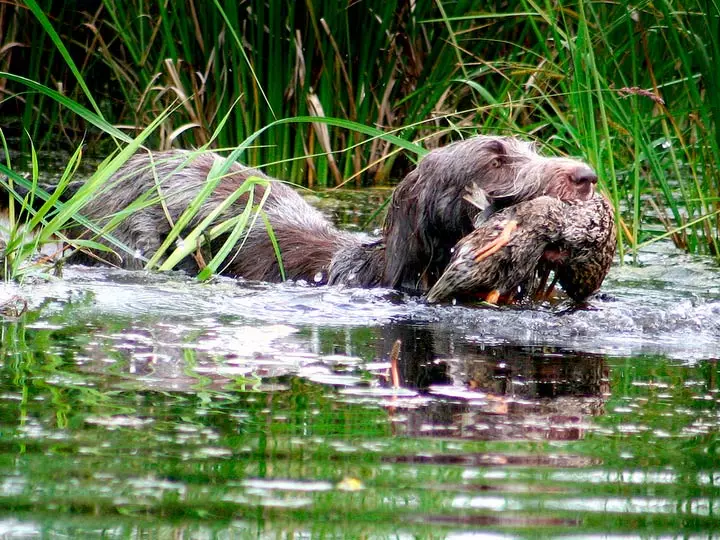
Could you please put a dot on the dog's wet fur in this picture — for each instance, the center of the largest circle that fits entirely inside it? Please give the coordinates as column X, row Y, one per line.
column 427, row 216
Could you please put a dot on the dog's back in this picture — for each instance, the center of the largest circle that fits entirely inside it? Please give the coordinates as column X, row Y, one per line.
column 161, row 186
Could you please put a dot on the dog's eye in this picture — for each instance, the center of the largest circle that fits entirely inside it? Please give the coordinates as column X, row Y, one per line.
column 496, row 162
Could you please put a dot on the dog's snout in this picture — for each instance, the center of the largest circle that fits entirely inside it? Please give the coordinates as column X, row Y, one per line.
column 583, row 175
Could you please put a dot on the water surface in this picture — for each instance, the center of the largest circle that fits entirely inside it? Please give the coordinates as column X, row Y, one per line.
column 146, row 405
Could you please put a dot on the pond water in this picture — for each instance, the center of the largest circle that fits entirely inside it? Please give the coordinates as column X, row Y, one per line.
column 153, row 406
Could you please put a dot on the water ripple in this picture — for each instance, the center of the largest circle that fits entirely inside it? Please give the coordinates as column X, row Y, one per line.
column 668, row 304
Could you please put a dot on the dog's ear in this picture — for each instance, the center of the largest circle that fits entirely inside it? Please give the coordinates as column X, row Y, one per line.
column 403, row 239
column 427, row 216
column 429, row 211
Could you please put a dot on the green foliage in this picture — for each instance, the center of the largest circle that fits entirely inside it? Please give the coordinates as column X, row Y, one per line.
column 586, row 78
column 26, row 236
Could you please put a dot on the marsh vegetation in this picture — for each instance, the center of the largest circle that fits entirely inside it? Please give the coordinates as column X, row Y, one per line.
column 325, row 94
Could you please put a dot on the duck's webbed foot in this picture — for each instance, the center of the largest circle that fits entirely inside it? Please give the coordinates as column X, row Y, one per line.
column 496, row 298
column 542, row 290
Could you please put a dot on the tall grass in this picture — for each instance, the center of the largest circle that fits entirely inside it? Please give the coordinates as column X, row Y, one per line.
column 586, row 78
column 39, row 224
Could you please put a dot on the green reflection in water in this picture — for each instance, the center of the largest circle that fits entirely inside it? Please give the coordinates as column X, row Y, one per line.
column 100, row 437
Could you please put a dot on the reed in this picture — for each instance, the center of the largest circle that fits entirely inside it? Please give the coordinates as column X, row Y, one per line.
column 586, row 78
column 45, row 222
column 39, row 223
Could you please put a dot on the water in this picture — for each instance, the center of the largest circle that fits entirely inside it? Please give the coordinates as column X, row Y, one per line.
column 136, row 405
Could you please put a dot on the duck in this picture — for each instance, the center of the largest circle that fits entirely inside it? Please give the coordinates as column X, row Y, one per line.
column 511, row 253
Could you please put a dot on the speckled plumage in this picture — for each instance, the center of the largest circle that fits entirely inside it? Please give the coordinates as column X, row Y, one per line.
column 589, row 238
column 575, row 239
column 472, row 272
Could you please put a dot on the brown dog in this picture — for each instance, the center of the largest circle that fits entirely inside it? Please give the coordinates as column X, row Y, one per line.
column 427, row 216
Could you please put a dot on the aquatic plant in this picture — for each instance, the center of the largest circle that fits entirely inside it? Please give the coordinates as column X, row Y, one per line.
column 585, row 78
column 38, row 218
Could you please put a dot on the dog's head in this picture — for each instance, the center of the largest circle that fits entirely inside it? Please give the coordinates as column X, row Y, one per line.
column 429, row 212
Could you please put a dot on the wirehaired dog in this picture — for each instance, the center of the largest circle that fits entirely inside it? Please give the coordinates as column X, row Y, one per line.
column 430, row 212
column 427, row 215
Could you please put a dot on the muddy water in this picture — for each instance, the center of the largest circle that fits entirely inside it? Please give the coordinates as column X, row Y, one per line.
column 135, row 405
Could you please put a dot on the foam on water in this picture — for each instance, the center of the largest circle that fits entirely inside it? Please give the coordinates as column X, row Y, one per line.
column 668, row 304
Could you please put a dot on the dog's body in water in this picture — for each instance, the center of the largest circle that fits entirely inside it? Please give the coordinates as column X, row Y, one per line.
column 427, row 216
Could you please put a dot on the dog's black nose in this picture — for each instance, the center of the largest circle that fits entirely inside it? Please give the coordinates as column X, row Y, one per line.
column 583, row 175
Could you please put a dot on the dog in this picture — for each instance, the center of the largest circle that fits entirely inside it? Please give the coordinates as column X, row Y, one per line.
column 427, row 215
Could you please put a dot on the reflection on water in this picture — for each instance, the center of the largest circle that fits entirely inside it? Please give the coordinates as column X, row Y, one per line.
column 151, row 405
column 499, row 392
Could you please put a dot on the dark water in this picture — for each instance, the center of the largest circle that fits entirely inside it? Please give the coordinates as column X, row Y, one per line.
column 152, row 406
